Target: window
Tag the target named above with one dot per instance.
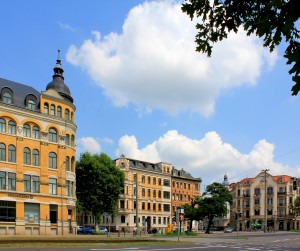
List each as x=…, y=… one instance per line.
x=149, y=180
x=35, y=184
x=53, y=214
x=143, y=192
x=154, y=207
x=11, y=127
x=35, y=157
x=159, y=207
x=52, y=135
x=35, y=132
x=2, y=152
x=2, y=125
x=72, y=140
x=154, y=181
x=27, y=183
x=7, y=98
x=270, y=201
x=7, y=211
x=3, y=180
x=122, y=219
x=31, y=104
x=154, y=220
x=149, y=192
x=143, y=205
x=154, y=193
x=196, y=187
x=46, y=108
x=12, y=181
x=159, y=194
x=159, y=220
x=166, y=182
x=166, y=208
x=149, y=206
x=67, y=163
x=166, y=195
x=270, y=190
x=143, y=179
x=69, y=188
x=52, y=160
x=32, y=212
x=159, y=181
x=67, y=139
x=256, y=211
x=52, y=186
x=26, y=130
x=257, y=191
x=73, y=164
x=67, y=114
x=52, y=110
x=26, y=156
x=11, y=153
x=59, y=111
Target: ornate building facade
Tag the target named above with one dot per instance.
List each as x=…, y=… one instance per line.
x=37, y=158
x=264, y=202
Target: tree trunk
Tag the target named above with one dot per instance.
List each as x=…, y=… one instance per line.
x=210, y=222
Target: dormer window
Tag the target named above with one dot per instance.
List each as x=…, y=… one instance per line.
x=31, y=102
x=7, y=96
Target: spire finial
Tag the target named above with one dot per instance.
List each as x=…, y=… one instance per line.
x=58, y=54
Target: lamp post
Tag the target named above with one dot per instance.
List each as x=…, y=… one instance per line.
x=265, y=220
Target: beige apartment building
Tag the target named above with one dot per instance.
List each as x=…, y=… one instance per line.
x=37, y=158
x=264, y=200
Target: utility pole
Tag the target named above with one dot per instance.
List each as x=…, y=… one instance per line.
x=136, y=207
x=265, y=220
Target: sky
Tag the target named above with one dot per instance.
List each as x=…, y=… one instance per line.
x=140, y=88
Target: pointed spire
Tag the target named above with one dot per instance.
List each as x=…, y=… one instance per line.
x=58, y=70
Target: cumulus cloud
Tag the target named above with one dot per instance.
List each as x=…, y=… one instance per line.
x=88, y=144
x=152, y=63
x=209, y=157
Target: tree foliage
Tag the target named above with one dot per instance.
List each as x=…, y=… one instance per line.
x=99, y=182
x=296, y=206
x=272, y=20
x=211, y=204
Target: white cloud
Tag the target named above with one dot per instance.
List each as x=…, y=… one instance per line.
x=88, y=144
x=66, y=26
x=209, y=158
x=153, y=62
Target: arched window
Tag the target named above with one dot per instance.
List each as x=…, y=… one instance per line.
x=26, y=130
x=52, y=135
x=2, y=125
x=67, y=139
x=67, y=163
x=122, y=218
x=26, y=156
x=73, y=164
x=35, y=132
x=59, y=111
x=2, y=152
x=35, y=157
x=7, y=98
x=11, y=127
x=72, y=140
x=46, y=108
x=52, y=110
x=52, y=160
x=11, y=153
x=67, y=114
x=31, y=104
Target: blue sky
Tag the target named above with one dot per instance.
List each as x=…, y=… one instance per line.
x=141, y=89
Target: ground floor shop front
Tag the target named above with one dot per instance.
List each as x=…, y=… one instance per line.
x=22, y=214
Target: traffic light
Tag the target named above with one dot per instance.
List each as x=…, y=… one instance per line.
x=175, y=216
x=295, y=181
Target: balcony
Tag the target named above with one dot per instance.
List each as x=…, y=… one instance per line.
x=246, y=195
x=257, y=194
x=281, y=193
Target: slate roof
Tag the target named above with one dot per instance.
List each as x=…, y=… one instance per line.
x=20, y=92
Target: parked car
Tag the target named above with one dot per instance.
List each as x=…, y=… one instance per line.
x=228, y=230
x=85, y=230
x=103, y=230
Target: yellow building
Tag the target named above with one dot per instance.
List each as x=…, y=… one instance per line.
x=37, y=158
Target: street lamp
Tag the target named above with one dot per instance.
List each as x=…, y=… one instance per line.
x=265, y=220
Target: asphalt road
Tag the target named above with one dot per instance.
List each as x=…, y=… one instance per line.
x=215, y=242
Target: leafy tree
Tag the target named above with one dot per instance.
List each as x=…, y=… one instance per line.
x=296, y=206
x=99, y=183
x=191, y=211
x=213, y=203
x=273, y=20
